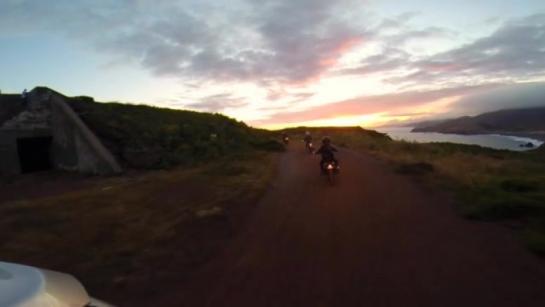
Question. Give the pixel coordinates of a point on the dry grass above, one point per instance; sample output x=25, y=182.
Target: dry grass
x=121, y=235
x=490, y=185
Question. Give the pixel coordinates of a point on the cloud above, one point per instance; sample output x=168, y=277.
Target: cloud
x=392, y=36
x=389, y=59
x=217, y=103
x=306, y=37
x=505, y=97
x=283, y=45
x=397, y=22
x=514, y=51
x=396, y=102
x=279, y=41
x=276, y=41
x=474, y=100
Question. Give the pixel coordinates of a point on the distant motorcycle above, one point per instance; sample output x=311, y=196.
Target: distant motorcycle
x=309, y=147
x=331, y=169
x=286, y=140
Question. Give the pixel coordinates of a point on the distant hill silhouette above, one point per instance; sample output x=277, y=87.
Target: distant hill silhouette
x=527, y=121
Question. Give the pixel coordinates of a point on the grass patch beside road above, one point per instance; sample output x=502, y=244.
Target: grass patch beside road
x=123, y=236
x=490, y=184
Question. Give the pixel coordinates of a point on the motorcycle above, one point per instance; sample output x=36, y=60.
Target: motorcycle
x=309, y=147
x=286, y=140
x=331, y=169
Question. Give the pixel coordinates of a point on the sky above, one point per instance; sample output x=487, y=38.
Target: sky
x=278, y=63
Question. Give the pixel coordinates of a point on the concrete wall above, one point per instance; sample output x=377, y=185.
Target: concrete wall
x=74, y=146
x=9, y=160
x=10, y=106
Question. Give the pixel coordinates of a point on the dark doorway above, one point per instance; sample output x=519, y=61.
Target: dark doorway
x=34, y=154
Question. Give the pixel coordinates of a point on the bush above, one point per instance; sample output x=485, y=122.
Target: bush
x=519, y=185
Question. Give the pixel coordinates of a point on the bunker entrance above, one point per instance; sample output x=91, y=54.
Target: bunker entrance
x=34, y=154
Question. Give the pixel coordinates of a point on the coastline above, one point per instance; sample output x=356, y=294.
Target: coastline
x=536, y=135
x=537, y=138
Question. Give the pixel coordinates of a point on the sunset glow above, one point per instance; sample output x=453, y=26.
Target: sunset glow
x=369, y=120
x=282, y=63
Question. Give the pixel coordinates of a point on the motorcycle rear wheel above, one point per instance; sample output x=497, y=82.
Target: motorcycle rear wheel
x=330, y=177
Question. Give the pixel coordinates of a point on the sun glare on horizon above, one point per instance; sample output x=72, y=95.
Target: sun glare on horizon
x=365, y=121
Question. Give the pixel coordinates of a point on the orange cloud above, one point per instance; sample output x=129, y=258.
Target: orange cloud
x=368, y=105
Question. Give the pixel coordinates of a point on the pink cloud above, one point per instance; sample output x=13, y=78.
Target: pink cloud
x=371, y=104
x=339, y=51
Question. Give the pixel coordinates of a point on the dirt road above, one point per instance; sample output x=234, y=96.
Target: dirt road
x=374, y=239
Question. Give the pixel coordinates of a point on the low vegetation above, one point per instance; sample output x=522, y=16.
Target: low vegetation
x=147, y=137
x=490, y=184
x=191, y=179
x=121, y=236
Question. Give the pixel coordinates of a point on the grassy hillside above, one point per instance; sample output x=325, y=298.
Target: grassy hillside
x=148, y=137
x=512, y=120
x=192, y=179
x=490, y=184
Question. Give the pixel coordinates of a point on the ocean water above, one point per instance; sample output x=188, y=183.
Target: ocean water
x=496, y=141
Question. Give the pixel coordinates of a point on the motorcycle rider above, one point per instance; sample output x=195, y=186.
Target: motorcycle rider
x=285, y=137
x=327, y=150
x=307, y=139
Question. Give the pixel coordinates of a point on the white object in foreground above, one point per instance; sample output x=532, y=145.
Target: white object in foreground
x=26, y=286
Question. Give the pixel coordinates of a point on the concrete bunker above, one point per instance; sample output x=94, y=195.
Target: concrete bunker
x=42, y=132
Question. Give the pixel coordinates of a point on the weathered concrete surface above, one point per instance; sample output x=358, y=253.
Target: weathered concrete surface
x=72, y=138
x=9, y=160
x=74, y=146
x=10, y=106
x=36, y=114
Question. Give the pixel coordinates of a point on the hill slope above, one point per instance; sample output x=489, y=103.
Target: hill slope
x=149, y=137
x=528, y=120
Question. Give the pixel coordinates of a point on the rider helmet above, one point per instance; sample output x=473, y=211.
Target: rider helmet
x=326, y=140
